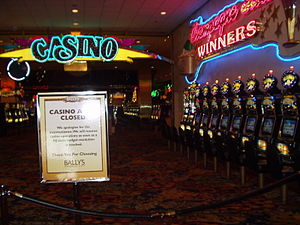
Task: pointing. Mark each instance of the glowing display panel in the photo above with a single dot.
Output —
(205, 120)
(237, 122)
(224, 122)
(250, 126)
(288, 128)
(268, 126)
(214, 121)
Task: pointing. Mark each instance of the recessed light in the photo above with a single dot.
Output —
(75, 10)
(75, 33)
(163, 13)
(138, 41)
(75, 23)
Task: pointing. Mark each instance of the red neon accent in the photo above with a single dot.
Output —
(218, 23)
(292, 68)
(251, 27)
(253, 75)
(230, 38)
(251, 5)
(201, 31)
(239, 34)
(239, 77)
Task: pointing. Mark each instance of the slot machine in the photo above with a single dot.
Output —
(185, 110)
(284, 157)
(225, 121)
(185, 132)
(232, 149)
(198, 109)
(189, 128)
(205, 120)
(2, 120)
(252, 123)
(197, 119)
(192, 107)
(214, 121)
(271, 117)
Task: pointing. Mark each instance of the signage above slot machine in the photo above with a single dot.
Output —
(230, 26)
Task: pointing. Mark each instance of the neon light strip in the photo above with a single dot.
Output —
(12, 76)
(200, 19)
(285, 59)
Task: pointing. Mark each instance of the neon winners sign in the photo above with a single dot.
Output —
(209, 35)
(67, 48)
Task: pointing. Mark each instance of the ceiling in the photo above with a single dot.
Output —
(125, 19)
(120, 17)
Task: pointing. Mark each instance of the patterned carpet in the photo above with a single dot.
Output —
(146, 177)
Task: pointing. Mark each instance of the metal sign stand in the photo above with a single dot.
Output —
(76, 202)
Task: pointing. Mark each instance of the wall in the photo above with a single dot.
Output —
(244, 62)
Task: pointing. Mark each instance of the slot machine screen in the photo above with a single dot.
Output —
(191, 118)
(186, 111)
(205, 120)
(224, 122)
(214, 121)
(250, 126)
(197, 119)
(268, 126)
(288, 128)
(192, 110)
(237, 122)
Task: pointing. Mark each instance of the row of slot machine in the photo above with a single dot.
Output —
(14, 116)
(252, 126)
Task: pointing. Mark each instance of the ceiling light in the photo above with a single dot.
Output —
(163, 13)
(75, 10)
(75, 33)
(75, 23)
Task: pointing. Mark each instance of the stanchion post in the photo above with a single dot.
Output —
(261, 180)
(204, 160)
(284, 193)
(227, 169)
(3, 205)
(215, 164)
(76, 202)
(242, 175)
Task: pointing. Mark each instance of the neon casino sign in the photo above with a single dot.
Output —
(68, 47)
(209, 35)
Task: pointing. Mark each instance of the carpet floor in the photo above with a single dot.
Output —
(145, 177)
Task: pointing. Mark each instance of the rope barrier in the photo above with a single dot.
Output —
(240, 198)
(158, 214)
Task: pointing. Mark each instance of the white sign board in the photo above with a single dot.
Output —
(73, 140)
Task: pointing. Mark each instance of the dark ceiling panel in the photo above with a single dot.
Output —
(124, 16)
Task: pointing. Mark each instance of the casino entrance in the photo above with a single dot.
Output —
(129, 79)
